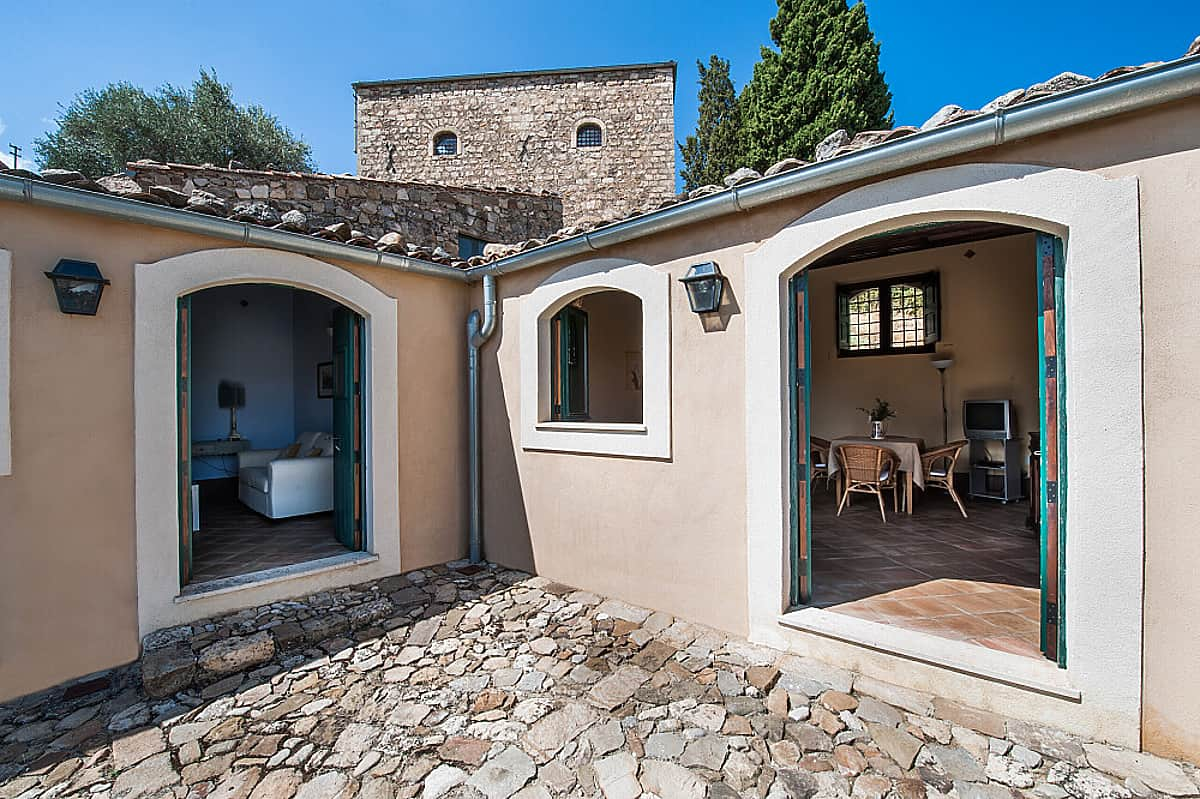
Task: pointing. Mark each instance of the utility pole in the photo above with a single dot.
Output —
(16, 153)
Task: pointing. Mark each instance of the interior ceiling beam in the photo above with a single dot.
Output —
(915, 239)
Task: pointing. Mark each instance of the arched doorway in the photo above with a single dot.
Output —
(160, 438)
(954, 328)
(271, 419)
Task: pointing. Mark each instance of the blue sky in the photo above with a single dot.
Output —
(299, 58)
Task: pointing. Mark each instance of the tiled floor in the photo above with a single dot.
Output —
(235, 540)
(972, 579)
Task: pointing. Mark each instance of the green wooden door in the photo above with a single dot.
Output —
(347, 427)
(799, 392)
(570, 379)
(1053, 425)
(183, 408)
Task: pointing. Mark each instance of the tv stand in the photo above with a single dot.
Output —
(991, 478)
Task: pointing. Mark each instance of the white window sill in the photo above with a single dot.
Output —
(592, 427)
(243, 582)
(1019, 671)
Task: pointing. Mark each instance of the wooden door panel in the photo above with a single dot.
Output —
(1052, 393)
(799, 445)
(183, 361)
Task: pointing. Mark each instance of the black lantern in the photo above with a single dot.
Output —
(78, 286)
(704, 284)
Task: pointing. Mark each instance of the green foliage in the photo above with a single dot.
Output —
(825, 76)
(101, 130)
(880, 412)
(714, 150)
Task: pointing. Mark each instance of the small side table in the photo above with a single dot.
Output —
(216, 448)
(220, 446)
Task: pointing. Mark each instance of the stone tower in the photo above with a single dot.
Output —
(602, 138)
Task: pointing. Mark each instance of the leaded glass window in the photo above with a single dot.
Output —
(889, 316)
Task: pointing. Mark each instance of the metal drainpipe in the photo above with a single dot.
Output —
(477, 335)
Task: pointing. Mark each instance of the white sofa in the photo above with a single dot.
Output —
(280, 487)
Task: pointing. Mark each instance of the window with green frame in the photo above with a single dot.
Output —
(569, 365)
(889, 317)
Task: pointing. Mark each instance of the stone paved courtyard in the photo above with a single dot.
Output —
(463, 682)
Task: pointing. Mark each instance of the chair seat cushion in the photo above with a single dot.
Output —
(885, 474)
(256, 477)
(937, 471)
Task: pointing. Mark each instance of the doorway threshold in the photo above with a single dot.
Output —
(241, 582)
(1019, 671)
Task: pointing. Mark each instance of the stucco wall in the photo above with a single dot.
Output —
(619, 525)
(665, 533)
(67, 548)
(1170, 295)
(989, 326)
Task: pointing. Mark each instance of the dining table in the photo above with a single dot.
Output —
(906, 449)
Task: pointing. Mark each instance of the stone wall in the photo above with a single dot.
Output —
(424, 214)
(518, 130)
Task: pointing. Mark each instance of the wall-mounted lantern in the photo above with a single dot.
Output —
(705, 284)
(78, 286)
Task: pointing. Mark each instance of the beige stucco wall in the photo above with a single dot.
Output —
(671, 533)
(67, 568)
(989, 326)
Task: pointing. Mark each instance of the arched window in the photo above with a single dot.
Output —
(589, 134)
(595, 368)
(445, 143)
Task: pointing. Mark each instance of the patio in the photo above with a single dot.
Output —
(469, 682)
(974, 579)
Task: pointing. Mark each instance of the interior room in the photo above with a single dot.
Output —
(928, 528)
(596, 359)
(262, 444)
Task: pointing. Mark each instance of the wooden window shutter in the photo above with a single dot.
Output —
(933, 316)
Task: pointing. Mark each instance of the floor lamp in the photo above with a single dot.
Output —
(942, 364)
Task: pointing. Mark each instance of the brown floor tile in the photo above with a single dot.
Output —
(233, 539)
(934, 572)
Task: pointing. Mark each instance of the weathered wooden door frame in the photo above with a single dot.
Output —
(800, 471)
(1052, 411)
(183, 408)
(348, 437)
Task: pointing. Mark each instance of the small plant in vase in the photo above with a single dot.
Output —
(878, 415)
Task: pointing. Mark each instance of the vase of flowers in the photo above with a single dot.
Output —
(877, 415)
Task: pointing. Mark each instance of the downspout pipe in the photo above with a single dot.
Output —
(479, 330)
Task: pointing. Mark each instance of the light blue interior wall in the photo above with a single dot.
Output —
(268, 345)
(311, 314)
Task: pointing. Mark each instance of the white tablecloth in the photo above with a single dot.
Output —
(906, 449)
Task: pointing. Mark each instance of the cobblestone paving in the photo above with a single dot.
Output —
(494, 684)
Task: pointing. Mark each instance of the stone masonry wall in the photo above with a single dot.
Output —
(518, 130)
(424, 214)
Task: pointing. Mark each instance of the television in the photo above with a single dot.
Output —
(988, 419)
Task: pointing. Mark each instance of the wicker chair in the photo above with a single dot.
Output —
(819, 460)
(938, 466)
(868, 469)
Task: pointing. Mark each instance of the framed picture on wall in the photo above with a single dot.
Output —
(325, 380)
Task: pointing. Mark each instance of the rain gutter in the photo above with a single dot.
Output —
(37, 192)
(1176, 80)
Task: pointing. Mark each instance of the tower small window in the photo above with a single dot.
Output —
(445, 143)
(589, 135)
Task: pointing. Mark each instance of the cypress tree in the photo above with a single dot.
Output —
(824, 76)
(714, 150)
